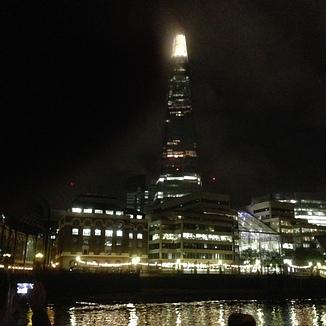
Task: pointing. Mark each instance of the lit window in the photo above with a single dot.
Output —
(139, 235)
(119, 233)
(110, 212)
(156, 237)
(108, 233)
(139, 217)
(98, 211)
(97, 232)
(87, 210)
(86, 232)
(74, 231)
(131, 236)
(76, 210)
(119, 212)
(108, 243)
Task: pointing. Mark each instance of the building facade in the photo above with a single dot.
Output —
(137, 193)
(179, 158)
(192, 234)
(307, 206)
(21, 243)
(280, 217)
(97, 234)
(285, 214)
(259, 244)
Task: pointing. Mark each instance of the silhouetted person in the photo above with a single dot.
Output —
(36, 300)
(239, 319)
(9, 302)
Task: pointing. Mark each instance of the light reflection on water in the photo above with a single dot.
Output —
(266, 313)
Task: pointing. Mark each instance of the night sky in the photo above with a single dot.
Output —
(84, 87)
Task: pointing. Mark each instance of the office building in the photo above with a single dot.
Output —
(298, 217)
(96, 233)
(280, 217)
(178, 162)
(307, 206)
(194, 233)
(137, 193)
(259, 244)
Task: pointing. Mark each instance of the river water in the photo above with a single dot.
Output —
(207, 312)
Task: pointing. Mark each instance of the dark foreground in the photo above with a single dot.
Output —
(182, 287)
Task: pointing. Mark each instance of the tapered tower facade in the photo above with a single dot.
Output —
(179, 159)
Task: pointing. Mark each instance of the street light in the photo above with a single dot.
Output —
(135, 261)
(39, 260)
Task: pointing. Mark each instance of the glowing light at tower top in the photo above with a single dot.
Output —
(179, 47)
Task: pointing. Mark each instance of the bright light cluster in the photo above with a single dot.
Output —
(179, 46)
(185, 177)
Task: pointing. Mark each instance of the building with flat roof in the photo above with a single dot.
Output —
(96, 233)
(194, 233)
(307, 206)
(298, 217)
(137, 193)
(280, 217)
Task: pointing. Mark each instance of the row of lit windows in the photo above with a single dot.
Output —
(108, 212)
(304, 230)
(173, 142)
(192, 236)
(96, 211)
(289, 231)
(97, 232)
(178, 94)
(108, 233)
(208, 237)
(190, 255)
(287, 223)
(182, 178)
(176, 154)
(204, 255)
(189, 245)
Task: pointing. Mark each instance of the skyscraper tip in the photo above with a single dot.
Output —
(179, 48)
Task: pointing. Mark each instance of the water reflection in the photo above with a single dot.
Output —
(266, 313)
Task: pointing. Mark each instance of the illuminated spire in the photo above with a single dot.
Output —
(178, 164)
(179, 47)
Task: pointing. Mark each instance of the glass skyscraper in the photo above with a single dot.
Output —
(179, 160)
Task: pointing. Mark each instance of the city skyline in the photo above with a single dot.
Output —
(85, 89)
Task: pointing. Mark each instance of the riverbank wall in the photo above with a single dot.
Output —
(240, 286)
(150, 287)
